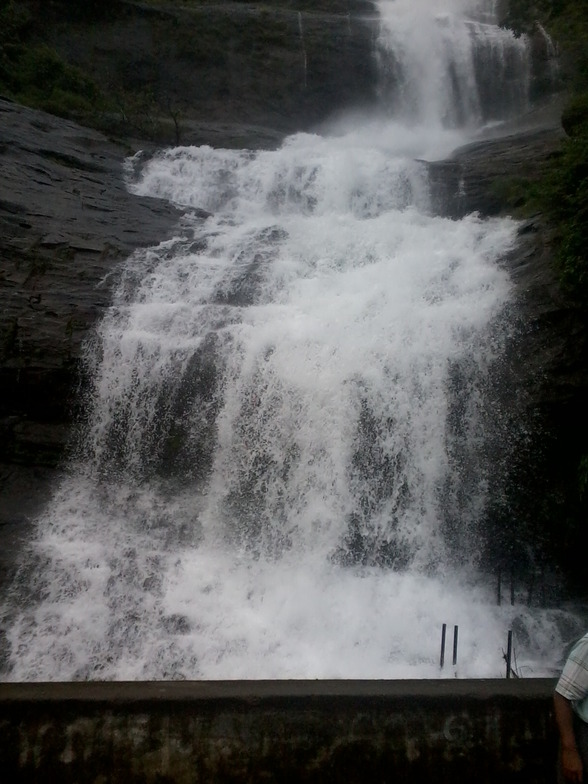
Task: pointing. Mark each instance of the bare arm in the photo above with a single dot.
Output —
(571, 762)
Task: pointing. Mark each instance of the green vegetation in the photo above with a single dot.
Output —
(566, 203)
(34, 74)
(561, 190)
(136, 95)
(163, 70)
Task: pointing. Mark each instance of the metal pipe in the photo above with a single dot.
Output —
(509, 654)
(455, 645)
(443, 634)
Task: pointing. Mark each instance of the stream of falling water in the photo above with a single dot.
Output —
(263, 486)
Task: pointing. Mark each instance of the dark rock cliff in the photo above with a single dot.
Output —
(225, 73)
(66, 223)
(533, 527)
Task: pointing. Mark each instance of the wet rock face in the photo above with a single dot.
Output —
(66, 223)
(544, 373)
(473, 178)
(551, 343)
(232, 74)
(227, 73)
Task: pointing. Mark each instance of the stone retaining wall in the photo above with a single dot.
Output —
(278, 731)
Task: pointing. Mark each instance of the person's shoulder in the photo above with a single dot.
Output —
(579, 649)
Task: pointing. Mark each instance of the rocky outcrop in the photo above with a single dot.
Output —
(535, 525)
(227, 73)
(476, 178)
(543, 376)
(66, 224)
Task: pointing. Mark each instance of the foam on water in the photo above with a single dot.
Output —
(272, 442)
(118, 602)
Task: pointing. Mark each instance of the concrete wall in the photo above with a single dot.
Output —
(497, 731)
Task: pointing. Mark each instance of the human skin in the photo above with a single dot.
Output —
(570, 758)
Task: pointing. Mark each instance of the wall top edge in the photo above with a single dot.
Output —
(256, 691)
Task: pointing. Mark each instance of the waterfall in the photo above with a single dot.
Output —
(285, 464)
(451, 66)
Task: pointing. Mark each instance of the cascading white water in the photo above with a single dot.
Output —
(449, 64)
(264, 483)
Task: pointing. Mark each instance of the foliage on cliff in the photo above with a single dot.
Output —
(566, 202)
(567, 23)
(32, 73)
(567, 183)
(561, 193)
(158, 69)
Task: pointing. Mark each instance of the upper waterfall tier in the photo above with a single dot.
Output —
(448, 64)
